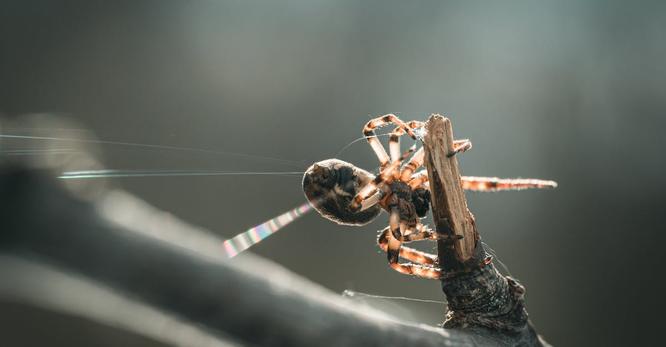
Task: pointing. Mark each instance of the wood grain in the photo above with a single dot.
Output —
(449, 205)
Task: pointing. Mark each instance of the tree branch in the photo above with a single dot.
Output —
(479, 296)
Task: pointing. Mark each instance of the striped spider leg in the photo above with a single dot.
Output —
(390, 240)
(486, 184)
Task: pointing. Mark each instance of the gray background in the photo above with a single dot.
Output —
(565, 90)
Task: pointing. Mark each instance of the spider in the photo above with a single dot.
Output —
(348, 195)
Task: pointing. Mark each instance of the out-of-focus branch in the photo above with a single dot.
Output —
(249, 300)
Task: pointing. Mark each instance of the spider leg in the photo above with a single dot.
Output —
(394, 148)
(418, 233)
(371, 189)
(391, 240)
(422, 232)
(418, 158)
(378, 149)
(417, 179)
(460, 146)
(487, 184)
(414, 163)
(394, 140)
(414, 124)
(372, 200)
(406, 252)
(369, 129)
(394, 145)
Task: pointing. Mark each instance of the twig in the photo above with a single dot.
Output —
(452, 218)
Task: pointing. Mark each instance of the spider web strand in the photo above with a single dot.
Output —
(252, 236)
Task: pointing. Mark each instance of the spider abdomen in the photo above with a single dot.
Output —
(330, 186)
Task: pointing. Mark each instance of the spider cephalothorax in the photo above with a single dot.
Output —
(345, 194)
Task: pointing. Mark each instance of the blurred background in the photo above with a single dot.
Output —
(564, 90)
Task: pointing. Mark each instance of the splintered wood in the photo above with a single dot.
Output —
(449, 206)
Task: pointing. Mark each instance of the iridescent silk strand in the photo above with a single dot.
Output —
(252, 236)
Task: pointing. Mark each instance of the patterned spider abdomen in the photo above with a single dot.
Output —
(330, 186)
